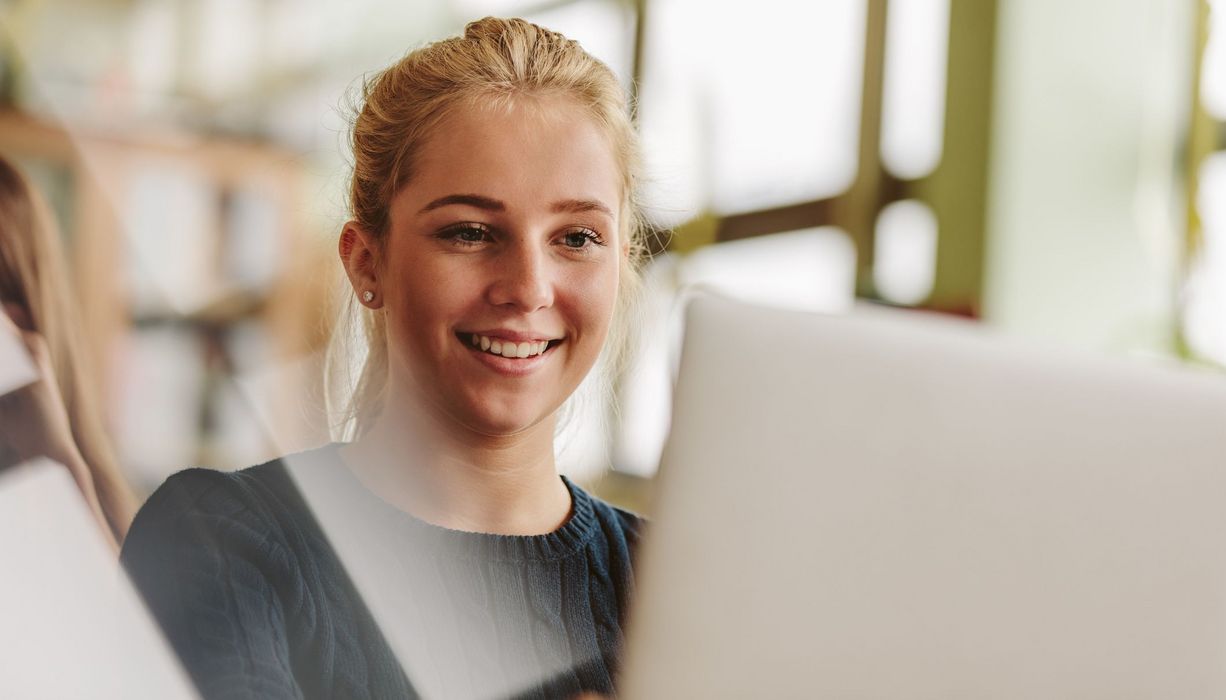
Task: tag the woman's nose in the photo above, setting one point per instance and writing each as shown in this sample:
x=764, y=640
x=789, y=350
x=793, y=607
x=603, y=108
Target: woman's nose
x=522, y=279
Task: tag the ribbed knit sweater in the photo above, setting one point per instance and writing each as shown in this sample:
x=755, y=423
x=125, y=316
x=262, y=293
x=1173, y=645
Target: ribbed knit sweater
x=253, y=596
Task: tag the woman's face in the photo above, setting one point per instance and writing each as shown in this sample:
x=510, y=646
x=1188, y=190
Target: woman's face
x=500, y=270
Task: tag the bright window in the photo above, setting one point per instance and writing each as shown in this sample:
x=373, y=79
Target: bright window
x=749, y=108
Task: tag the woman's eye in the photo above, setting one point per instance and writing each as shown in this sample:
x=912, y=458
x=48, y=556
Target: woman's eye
x=580, y=238
x=468, y=234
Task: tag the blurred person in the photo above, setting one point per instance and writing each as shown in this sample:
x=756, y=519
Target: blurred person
x=493, y=256
x=57, y=416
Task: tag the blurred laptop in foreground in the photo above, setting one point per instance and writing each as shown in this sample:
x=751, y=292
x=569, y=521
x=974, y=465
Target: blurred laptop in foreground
x=883, y=506
x=73, y=627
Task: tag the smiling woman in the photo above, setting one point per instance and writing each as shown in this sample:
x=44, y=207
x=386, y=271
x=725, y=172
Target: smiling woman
x=493, y=258
x=516, y=262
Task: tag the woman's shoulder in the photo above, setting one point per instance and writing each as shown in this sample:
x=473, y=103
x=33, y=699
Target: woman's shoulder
x=626, y=520
x=261, y=501
x=615, y=521
x=202, y=490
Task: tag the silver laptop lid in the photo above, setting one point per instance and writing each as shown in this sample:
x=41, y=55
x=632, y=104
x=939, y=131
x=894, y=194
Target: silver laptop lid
x=882, y=507
x=73, y=626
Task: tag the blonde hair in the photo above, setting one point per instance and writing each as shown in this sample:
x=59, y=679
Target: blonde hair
x=32, y=275
x=494, y=61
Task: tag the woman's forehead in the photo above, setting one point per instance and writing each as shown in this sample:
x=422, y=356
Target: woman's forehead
x=527, y=153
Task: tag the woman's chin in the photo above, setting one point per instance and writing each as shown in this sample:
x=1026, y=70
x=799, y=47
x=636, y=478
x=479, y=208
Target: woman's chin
x=505, y=422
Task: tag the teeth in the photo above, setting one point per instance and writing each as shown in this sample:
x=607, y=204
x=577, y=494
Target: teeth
x=508, y=349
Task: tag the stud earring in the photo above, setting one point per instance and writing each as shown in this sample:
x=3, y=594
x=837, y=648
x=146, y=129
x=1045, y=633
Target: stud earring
x=368, y=296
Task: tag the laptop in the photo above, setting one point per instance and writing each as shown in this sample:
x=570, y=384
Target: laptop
x=73, y=627
x=886, y=506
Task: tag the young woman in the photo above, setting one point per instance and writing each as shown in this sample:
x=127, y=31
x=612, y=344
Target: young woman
x=493, y=253
x=57, y=416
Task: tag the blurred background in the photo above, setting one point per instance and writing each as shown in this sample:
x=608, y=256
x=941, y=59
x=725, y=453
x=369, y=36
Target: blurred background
x=1053, y=168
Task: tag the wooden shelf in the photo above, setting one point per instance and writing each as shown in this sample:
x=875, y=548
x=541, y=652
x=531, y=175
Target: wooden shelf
x=102, y=175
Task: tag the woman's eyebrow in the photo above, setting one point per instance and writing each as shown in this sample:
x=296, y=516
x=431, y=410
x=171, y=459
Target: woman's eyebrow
x=472, y=200
x=576, y=206
x=490, y=204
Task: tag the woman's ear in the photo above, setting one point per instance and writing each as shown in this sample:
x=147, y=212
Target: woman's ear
x=360, y=256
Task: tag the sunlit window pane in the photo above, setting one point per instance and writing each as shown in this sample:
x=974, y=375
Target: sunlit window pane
x=227, y=45
x=810, y=270
x=645, y=395
x=151, y=49
x=297, y=34
x=913, y=107
x=605, y=28
x=494, y=8
x=1205, y=308
x=750, y=107
x=904, y=261
x=1213, y=73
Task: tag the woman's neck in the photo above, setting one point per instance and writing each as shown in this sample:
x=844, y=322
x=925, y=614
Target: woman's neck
x=458, y=479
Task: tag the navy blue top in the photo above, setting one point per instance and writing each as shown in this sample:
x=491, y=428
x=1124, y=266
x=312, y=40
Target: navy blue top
x=253, y=596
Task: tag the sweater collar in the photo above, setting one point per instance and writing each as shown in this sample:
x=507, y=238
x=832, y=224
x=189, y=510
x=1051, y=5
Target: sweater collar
x=569, y=539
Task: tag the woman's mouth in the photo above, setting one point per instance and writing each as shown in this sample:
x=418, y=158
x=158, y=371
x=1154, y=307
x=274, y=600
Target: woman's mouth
x=507, y=348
